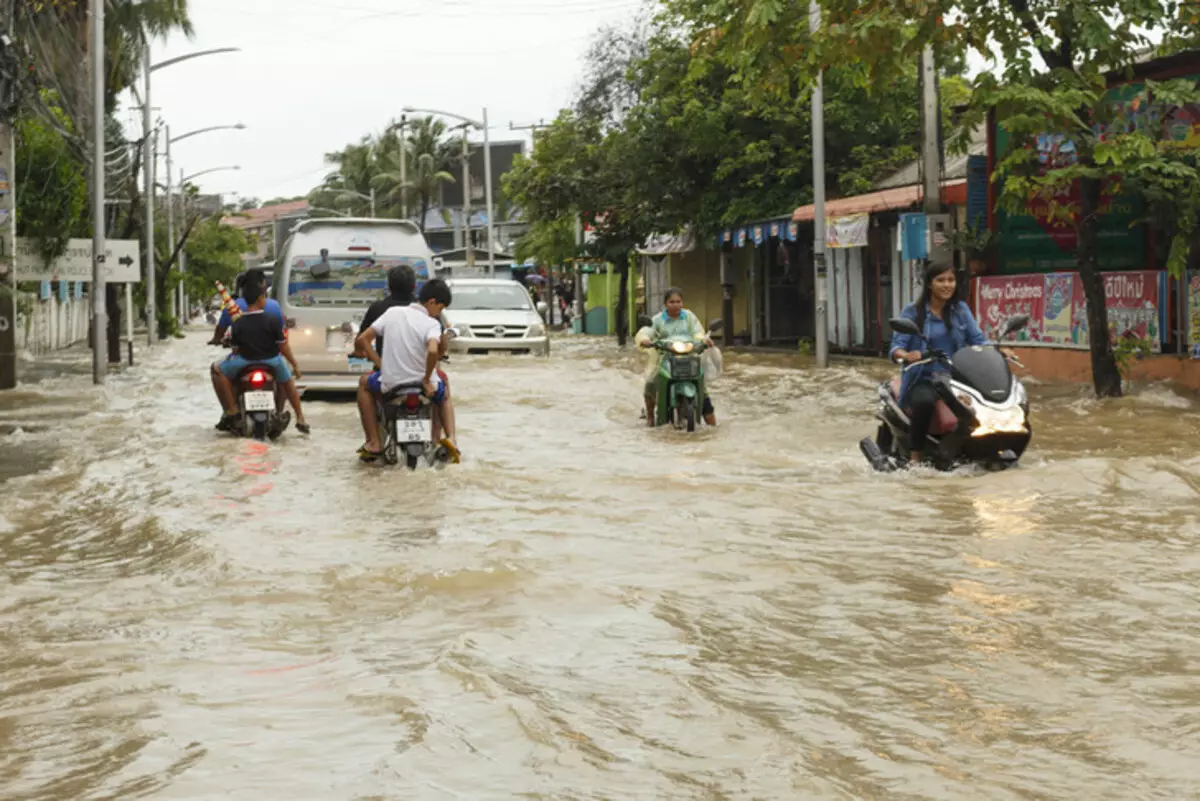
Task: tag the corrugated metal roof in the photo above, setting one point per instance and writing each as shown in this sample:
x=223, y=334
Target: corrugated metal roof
x=956, y=166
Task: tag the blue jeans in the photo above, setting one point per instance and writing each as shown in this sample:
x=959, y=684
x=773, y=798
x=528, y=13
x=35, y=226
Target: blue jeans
x=439, y=382
x=234, y=364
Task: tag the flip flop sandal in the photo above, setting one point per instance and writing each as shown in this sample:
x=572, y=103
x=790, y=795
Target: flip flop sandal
x=453, y=454
x=365, y=455
x=304, y=428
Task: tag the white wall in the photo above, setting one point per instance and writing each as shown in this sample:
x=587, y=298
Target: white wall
x=50, y=324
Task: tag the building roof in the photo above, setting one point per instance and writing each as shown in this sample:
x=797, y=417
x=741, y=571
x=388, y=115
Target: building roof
x=253, y=218
x=904, y=197
x=955, y=167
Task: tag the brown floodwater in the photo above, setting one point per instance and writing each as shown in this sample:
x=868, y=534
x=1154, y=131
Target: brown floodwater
x=585, y=609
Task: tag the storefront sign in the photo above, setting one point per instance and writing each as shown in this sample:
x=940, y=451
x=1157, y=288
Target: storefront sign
x=1057, y=308
x=847, y=232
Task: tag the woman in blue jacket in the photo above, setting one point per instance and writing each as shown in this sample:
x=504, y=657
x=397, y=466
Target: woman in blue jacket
x=948, y=325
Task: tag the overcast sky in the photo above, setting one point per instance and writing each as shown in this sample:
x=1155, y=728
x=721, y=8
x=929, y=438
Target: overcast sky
x=314, y=76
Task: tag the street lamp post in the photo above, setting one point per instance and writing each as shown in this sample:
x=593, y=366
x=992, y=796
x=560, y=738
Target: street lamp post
x=487, y=169
x=181, y=298
x=149, y=137
x=99, y=245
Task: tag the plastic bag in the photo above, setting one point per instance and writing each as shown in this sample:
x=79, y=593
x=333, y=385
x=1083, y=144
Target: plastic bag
x=713, y=363
x=644, y=336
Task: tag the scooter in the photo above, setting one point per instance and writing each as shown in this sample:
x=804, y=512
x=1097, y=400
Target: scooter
x=257, y=411
x=405, y=416
x=981, y=417
x=680, y=380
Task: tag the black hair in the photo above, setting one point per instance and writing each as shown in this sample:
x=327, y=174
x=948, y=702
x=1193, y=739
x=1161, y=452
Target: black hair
x=436, y=289
x=932, y=271
x=252, y=291
x=402, y=282
x=672, y=291
x=238, y=283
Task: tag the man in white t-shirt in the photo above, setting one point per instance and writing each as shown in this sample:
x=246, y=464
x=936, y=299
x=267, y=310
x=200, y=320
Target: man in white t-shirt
x=414, y=347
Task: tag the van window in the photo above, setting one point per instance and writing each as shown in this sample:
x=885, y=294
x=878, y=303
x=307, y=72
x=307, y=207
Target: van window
x=356, y=281
x=489, y=297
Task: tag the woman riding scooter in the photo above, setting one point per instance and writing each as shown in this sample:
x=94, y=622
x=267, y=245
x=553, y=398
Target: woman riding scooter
x=675, y=322
x=947, y=325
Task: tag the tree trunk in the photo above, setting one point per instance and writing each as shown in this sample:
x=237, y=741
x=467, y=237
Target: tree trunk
x=1106, y=378
x=622, y=315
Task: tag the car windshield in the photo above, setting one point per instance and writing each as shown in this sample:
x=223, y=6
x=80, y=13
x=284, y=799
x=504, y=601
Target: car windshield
x=356, y=281
x=490, y=297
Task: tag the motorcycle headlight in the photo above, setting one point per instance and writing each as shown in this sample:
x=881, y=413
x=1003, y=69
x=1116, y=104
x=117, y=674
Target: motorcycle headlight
x=683, y=347
x=536, y=330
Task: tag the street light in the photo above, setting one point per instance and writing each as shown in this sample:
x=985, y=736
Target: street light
x=487, y=169
x=179, y=300
x=330, y=211
x=187, y=178
x=344, y=191
x=148, y=160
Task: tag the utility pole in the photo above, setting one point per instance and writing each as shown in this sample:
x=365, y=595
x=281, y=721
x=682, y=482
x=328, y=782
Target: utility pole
x=148, y=165
x=8, y=204
x=818, y=138
x=177, y=296
x=466, y=190
x=487, y=189
x=99, y=292
x=404, y=169
x=930, y=151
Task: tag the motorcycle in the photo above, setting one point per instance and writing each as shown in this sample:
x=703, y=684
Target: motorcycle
x=982, y=412
x=680, y=380
x=405, y=416
x=258, y=414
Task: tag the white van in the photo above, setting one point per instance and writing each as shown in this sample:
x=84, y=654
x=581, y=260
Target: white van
x=329, y=272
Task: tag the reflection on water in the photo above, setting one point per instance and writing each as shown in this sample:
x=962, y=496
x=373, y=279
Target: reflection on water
x=588, y=609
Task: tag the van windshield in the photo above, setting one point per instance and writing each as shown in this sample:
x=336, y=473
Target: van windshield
x=354, y=281
x=489, y=297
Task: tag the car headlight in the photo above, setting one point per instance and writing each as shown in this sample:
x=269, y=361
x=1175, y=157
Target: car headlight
x=683, y=347
x=536, y=330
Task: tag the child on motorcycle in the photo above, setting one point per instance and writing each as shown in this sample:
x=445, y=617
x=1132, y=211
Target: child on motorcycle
x=257, y=337
x=416, y=344
x=675, y=322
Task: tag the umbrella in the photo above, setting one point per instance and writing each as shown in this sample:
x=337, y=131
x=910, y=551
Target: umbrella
x=536, y=279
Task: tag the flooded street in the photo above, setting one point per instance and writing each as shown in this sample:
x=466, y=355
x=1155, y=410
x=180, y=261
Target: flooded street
x=586, y=609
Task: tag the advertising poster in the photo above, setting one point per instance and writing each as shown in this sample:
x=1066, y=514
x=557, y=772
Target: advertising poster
x=1057, y=308
x=847, y=232
x=1060, y=301
x=1001, y=297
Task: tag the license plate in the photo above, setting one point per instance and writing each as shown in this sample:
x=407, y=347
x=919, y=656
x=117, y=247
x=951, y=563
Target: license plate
x=259, y=401
x=360, y=365
x=414, y=430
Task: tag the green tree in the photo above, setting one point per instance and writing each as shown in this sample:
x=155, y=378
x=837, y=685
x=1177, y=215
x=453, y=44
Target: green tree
x=1051, y=63
x=214, y=253
x=51, y=195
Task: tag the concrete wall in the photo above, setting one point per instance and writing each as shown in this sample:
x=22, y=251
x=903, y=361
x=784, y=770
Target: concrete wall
x=51, y=324
x=1075, y=366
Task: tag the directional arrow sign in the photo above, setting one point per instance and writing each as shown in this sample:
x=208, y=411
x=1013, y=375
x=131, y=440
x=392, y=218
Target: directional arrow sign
x=122, y=262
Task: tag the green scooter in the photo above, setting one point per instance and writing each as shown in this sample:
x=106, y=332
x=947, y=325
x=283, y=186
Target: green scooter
x=679, y=383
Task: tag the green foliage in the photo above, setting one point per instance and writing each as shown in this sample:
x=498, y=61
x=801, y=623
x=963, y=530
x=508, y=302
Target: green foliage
x=1129, y=349
x=214, y=253
x=51, y=184
x=975, y=241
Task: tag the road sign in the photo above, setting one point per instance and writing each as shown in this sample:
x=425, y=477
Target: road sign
x=122, y=263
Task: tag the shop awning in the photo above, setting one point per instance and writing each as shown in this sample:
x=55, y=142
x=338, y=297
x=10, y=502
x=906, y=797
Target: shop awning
x=902, y=197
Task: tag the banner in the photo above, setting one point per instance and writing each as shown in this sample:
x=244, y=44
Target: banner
x=847, y=232
x=1057, y=307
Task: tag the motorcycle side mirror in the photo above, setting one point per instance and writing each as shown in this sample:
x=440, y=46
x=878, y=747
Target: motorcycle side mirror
x=320, y=270
x=716, y=325
x=1015, y=324
x=903, y=325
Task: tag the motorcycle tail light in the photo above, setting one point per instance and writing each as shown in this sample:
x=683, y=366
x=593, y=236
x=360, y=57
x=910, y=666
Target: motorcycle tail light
x=412, y=401
x=258, y=378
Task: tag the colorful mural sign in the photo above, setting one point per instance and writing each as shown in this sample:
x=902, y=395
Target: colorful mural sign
x=1057, y=308
x=1040, y=240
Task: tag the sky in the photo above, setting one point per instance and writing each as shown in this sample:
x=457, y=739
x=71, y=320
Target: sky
x=313, y=76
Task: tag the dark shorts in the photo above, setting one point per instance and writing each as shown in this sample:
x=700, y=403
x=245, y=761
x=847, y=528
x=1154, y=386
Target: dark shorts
x=373, y=384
